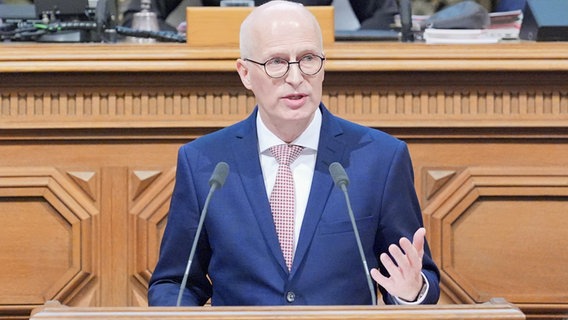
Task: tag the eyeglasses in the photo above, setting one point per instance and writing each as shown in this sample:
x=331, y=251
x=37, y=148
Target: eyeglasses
x=309, y=64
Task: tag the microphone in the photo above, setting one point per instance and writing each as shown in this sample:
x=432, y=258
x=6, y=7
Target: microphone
x=342, y=181
x=407, y=35
x=216, y=181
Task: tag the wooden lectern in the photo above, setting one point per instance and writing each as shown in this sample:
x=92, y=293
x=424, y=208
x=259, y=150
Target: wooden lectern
x=496, y=309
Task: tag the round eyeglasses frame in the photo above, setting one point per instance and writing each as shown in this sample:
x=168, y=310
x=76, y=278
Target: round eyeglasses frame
x=288, y=66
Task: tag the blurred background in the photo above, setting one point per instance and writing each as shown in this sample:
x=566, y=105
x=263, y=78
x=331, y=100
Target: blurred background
x=419, y=7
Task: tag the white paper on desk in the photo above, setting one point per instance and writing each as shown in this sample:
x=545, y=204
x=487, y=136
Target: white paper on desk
x=459, y=36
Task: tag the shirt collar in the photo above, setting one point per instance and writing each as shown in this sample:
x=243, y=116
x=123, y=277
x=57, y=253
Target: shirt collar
x=309, y=139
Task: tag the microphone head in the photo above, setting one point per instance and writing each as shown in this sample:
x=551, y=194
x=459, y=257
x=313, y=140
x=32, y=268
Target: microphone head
x=338, y=174
x=219, y=174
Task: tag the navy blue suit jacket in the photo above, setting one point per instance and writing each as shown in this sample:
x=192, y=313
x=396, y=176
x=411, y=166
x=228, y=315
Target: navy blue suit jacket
x=238, y=259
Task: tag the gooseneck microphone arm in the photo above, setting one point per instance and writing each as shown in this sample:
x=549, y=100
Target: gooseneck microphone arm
x=342, y=181
x=216, y=181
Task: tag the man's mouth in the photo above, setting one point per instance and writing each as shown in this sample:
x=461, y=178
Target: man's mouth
x=295, y=96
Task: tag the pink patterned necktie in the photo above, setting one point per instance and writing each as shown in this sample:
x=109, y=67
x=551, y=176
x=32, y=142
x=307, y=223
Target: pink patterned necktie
x=282, y=199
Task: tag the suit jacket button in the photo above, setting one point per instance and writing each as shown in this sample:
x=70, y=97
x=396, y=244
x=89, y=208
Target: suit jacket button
x=290, y=296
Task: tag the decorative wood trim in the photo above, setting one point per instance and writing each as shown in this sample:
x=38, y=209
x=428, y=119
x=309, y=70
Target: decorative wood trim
x=343, y=56
x=452, y=218
x=76, y=212
x=440, y=100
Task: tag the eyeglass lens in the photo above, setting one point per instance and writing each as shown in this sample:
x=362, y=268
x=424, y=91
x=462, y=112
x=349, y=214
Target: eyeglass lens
x=309, y=65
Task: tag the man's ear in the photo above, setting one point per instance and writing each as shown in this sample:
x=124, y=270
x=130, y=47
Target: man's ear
x=243, y=71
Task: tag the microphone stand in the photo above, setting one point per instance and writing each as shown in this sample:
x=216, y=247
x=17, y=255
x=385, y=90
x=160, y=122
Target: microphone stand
x=217, y=180
x=341, y=180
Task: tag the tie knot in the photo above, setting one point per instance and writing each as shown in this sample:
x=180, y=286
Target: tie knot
x=285, y=154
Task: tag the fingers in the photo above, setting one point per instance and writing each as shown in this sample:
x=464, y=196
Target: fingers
x=413, y=251
x=419, y=240
x=379, y=278
x=402, y=259
x=404, y=267
x=407, y=257
x=390, y=265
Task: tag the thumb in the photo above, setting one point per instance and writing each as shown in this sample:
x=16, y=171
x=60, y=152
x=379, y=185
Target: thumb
x=419, y=240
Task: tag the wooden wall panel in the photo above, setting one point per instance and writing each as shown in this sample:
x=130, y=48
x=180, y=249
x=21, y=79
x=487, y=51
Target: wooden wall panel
x=89, y=138
x=46, y=243
x=497, y=229
x=150, y=195
x=77, y=221
x=199, y=101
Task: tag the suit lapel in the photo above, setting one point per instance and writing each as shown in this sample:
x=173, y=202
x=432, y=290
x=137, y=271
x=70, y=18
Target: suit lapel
x=245, y=150
x=330, y=149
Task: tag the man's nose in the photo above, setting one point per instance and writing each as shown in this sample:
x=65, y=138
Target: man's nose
x=294, y=73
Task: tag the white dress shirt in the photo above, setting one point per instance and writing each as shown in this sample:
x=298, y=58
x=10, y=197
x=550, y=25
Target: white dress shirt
x=302, y=169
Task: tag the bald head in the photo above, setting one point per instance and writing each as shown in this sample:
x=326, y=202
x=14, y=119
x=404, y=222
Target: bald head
x=271, y=18
x=283, y=34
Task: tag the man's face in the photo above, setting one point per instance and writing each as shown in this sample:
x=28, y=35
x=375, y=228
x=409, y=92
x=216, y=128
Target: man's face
x=291, y=100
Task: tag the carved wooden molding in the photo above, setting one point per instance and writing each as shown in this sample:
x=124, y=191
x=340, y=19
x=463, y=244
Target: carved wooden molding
x=149, y=212
x=493, y=231
x=375, y=84
x=86, y=181
x=50, y=107
x=435, y=180
x=48, y=224
x=342, y=56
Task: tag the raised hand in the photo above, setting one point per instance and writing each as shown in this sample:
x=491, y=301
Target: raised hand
x=405, y=278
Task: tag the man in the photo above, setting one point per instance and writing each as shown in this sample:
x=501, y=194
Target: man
x=374, y=14
x=240, y=258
